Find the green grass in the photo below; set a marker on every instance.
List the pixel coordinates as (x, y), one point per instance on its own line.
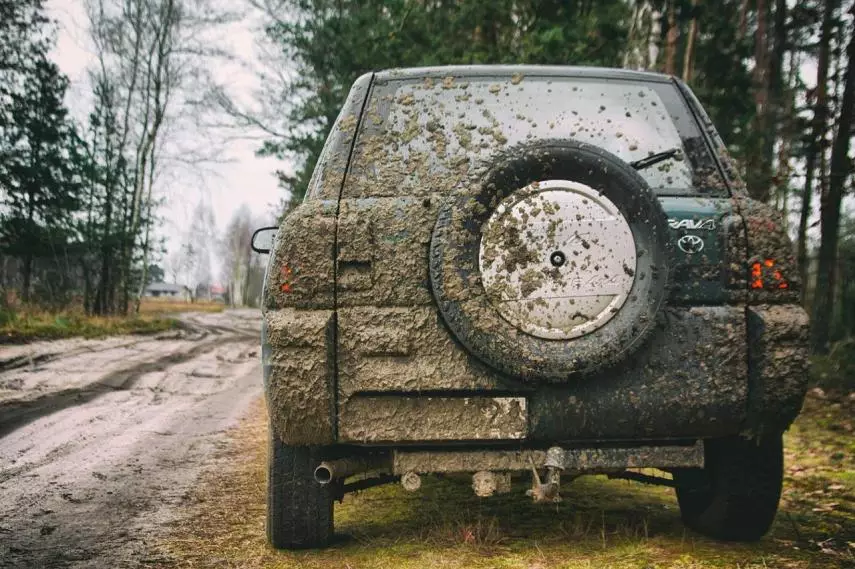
(26, 325)
(600, 523)
(835, 370)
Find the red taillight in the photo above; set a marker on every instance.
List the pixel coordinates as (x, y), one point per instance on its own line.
(764, 275)
(285, 279)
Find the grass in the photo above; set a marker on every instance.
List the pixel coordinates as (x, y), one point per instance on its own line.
(23, 324)
(836, 370)
(26, 325)
(600, 523)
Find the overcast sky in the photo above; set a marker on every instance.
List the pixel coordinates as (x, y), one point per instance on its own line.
(240, 178)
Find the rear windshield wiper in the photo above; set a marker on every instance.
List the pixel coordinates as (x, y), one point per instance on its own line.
(656, 158)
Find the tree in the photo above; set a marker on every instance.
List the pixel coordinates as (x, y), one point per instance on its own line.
(155, 274)
(328, 44)
(830, 200)
(818, 129)
(236, 255)
(38, 145)
(642, 50)
(204, 239)
(150, 74)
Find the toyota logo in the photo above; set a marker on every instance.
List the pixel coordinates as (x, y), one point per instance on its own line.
(690, 244)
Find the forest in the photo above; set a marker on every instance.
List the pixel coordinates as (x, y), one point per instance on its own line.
(80, 200)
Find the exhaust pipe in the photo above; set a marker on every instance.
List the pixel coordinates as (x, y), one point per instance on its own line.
(330, 470)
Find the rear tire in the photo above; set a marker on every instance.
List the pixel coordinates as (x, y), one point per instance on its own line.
(735, 496)
(299, 510)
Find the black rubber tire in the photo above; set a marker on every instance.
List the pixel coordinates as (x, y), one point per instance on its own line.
(299, 510)
(735, 496)
(455, 273)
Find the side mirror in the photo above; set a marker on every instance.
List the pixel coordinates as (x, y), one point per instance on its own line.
(262, 239)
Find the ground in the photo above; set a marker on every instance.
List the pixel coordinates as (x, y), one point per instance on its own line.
(600, 523)
(101, 439)
(150, 452)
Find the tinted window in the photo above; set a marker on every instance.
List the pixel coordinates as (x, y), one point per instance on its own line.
(431, 135)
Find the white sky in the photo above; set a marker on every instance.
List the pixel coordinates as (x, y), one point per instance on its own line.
(240, 178)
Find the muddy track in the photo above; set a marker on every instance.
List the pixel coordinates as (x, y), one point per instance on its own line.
(101, 440)
(18, 414)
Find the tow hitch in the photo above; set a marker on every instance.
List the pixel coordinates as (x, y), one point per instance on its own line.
(548, 491)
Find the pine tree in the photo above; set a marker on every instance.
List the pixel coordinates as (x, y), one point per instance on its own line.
(332, 43)
(39, 183)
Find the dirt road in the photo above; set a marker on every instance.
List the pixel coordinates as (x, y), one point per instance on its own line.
(100, 440)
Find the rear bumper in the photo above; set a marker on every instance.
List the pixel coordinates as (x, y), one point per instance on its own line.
(578, 460)
(401, 380)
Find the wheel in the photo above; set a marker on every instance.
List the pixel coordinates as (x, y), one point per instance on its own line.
(299, 510)
(555, 264)
(735, 496)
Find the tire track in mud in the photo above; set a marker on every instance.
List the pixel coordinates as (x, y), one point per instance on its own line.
(93, 468)
(23, 360)
(17, 414)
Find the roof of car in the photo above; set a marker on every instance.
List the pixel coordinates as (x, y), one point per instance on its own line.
(525, 70)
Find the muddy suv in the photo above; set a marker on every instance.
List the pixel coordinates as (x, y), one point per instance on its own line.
(539, 272)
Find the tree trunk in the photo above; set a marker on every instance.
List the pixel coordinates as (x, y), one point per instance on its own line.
(761, 60)
(830, 210)
(26, 276)
(774, 115)
(105, 282)
(758, 158)
(743, 20)
(146, 245)
(818, 128)
(786, 133)
(671, 41)
(689, 54)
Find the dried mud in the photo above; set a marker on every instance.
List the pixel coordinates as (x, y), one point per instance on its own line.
(367, 245)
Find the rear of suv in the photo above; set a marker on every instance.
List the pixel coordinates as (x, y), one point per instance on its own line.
(547, 270)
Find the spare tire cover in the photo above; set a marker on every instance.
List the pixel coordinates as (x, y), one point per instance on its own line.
(555, 264)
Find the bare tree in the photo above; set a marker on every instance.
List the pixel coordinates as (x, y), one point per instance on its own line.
(236, 255)
(154, 54)
(198, 244)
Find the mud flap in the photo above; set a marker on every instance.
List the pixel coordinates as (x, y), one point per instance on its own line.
(778, 364)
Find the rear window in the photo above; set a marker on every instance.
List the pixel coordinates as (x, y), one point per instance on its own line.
(420, 136)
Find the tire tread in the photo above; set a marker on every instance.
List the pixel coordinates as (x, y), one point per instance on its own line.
(735, 497)
(299, 510)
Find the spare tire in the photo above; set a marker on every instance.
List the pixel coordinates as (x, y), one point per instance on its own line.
(555, 264)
